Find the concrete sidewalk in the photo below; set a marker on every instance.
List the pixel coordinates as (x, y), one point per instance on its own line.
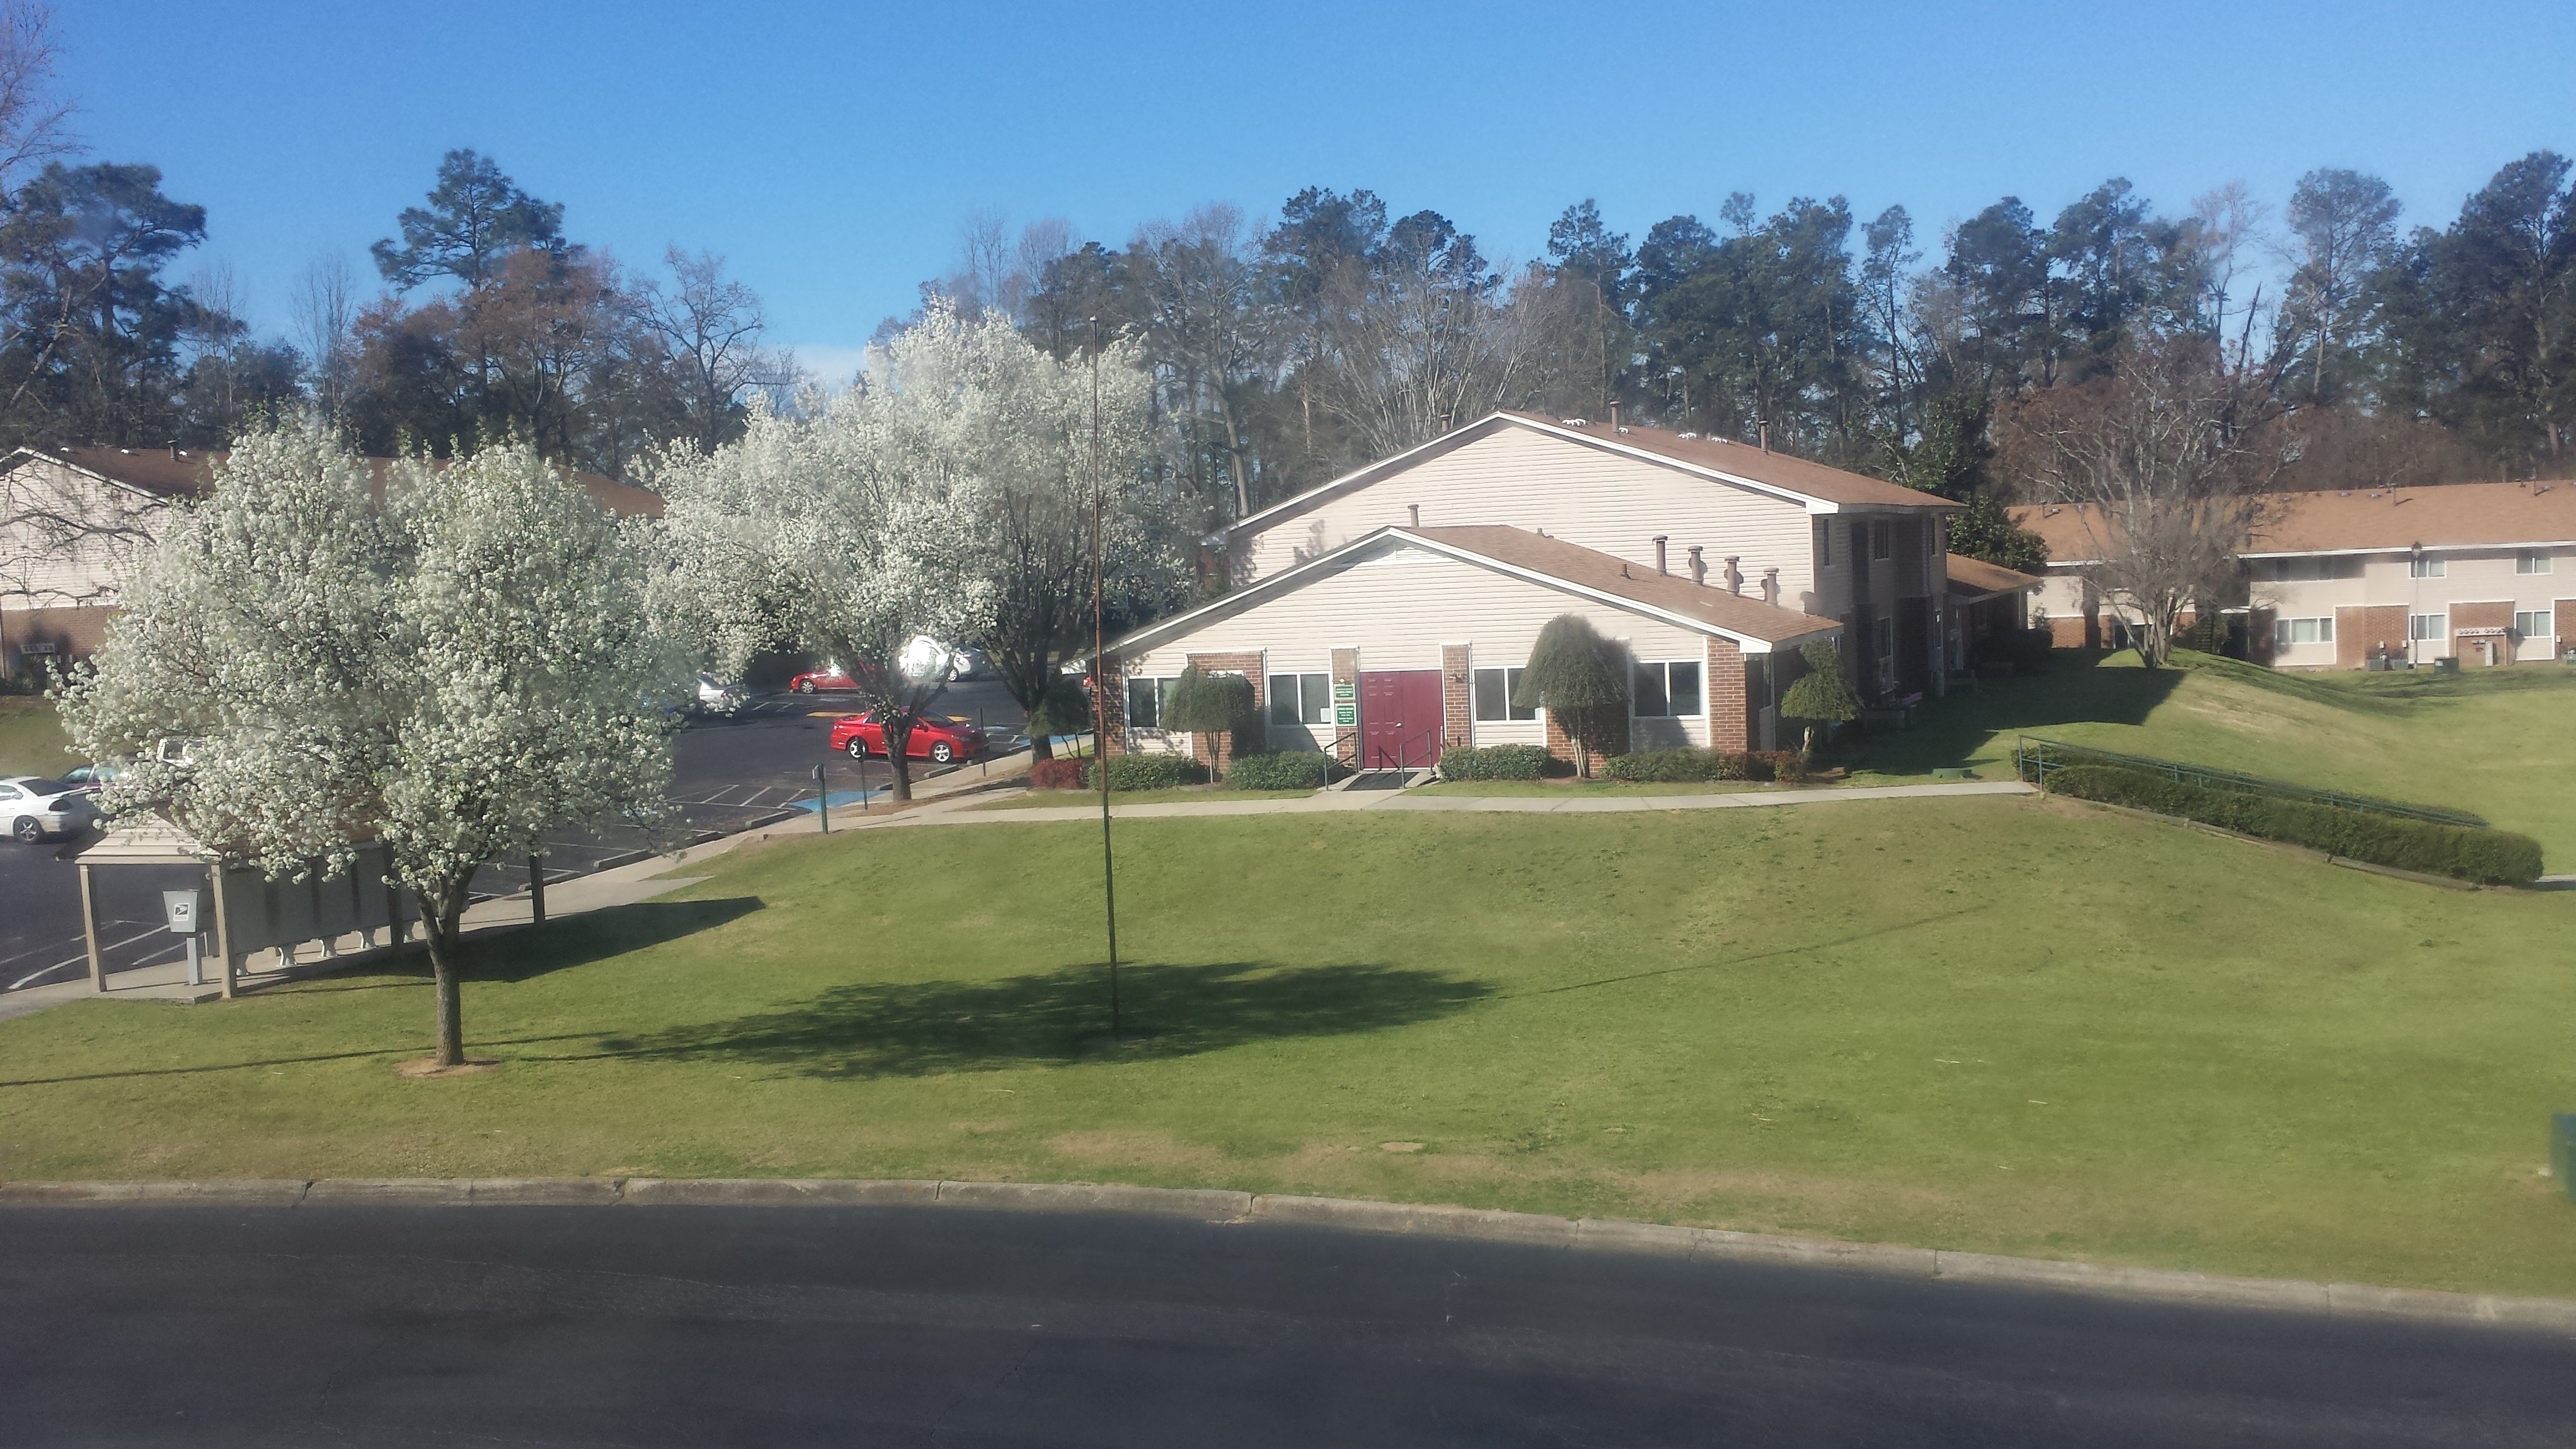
(1405, 801)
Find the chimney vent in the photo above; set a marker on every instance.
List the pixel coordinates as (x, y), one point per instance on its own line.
(1734, 576)
(1414, 512)
(1659, 553)
(1771, 587)
(1699, 566)
(1762, 430)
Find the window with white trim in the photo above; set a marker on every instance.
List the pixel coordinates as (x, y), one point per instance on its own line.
(2534, 624)
(2531, 563)
(1494, 691)
(2428, 566)
(1146, 697)
(2286, 632)
(1664, 689)
(1301, 699)
(2420, 627)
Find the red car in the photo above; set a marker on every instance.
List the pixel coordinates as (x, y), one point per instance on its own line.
(941, 739)
(830, 679)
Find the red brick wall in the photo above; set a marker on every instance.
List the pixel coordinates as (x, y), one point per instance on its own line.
(74, 632)
(1216, 751)
(1724, 681)
(2494, 615)
(2566, 625)
(1457, 708)
(2362, 632)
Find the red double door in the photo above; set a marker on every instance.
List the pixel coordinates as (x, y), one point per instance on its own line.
(1400, 718)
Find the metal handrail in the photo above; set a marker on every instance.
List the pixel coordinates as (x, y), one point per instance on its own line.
(2034, 757)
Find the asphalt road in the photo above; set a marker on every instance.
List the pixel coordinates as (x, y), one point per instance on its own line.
(793, 1326)
(726, 775)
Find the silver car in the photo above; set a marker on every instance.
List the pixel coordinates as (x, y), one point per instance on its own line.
(33, 807)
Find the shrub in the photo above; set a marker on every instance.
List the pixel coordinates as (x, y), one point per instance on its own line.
(1204, 703)
(1283, 770)
(1064, 774)
(1792, 767)
(2491, 856)
(1147, 772)
(1820, 694)
(1493, 762)
(1065, 710)
(2030, 653)
(1682, 766)
(1579, 678)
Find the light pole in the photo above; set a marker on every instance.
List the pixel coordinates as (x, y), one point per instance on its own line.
(1100, 691)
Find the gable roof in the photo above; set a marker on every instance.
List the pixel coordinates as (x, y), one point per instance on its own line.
(189, 473)
(1972, 579)
(2372, 520)
(1741, 465)
(1551, 562)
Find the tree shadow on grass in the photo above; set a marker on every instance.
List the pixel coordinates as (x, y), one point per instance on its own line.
(2079, 688)
(593, 936)
(906, 1029)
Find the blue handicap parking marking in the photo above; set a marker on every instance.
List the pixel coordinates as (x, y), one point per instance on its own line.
(838, 798)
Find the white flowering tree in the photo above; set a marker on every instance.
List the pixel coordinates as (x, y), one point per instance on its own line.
(946, 494)
(453, 669)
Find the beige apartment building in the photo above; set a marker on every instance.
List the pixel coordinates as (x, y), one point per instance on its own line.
(2484, 573)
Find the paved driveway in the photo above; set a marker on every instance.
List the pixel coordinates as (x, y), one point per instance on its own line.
(726, 776)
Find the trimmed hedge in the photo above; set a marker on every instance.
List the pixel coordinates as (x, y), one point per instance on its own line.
(1148, 772)
(1493, 762)
(1695, 765)
(2495, 857)
(1056, 774)
(1283, 770)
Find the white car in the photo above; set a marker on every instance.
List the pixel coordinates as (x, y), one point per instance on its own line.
(33, 807)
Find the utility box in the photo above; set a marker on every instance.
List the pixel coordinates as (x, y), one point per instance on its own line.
(2562, 1151)
(186, 910)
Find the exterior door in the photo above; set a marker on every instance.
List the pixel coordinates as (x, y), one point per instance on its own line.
(1400, 718)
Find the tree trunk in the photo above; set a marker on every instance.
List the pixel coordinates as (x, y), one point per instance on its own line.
(898, 745)
(440, 923)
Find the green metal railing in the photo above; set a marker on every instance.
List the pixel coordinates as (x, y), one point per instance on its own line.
(2034, 758)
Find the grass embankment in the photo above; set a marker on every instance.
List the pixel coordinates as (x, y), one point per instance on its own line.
(2498, 742)
(1995, 1024)
(31, 738)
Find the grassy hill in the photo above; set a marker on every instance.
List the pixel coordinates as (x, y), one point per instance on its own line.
(2499, 742)
(2000, 1024)
(31, 740)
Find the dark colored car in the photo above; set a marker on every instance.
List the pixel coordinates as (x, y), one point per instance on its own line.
(941, 739)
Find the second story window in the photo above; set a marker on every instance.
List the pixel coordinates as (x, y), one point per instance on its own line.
(2531, 563)
(2427, 566)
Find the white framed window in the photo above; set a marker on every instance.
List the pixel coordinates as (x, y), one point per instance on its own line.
(1493, 695)
(1665, 689)
(2534, 623)
(1301, 699)
(2531, 563)
(2286, 632)
(2420, 627)
(1146, 697)
(2428, 566)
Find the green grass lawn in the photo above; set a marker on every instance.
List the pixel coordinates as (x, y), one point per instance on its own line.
(1061, 799)
(2499, 742)
(31, 740)
(1999, 1024)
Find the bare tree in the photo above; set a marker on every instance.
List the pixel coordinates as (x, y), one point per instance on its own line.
(2163, 463)
(711, 328)
(1207, 328)
(326, 315)
(1417, 346)
(35, 123)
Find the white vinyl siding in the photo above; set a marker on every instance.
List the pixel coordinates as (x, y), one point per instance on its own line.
(1398, 608)
(1524, 479)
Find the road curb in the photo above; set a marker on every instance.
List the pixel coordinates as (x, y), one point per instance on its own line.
(2331, 1300)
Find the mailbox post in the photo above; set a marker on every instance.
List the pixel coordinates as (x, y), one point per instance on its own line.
(185, 908)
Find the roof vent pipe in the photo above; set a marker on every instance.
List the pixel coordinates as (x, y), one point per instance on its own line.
(1414, 512)
(1771, 587)
(1659, 553)
(1699, 566)
(1762, 431)
(1734, 575)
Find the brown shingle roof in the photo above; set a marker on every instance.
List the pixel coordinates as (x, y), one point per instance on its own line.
(1744, 460)
(189, 471)
(2443, 515)
(1974, 578)
(1590, 569)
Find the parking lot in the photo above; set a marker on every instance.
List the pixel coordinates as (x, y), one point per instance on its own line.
(727, 775)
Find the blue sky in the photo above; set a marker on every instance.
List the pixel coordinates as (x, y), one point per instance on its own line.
(832, 152)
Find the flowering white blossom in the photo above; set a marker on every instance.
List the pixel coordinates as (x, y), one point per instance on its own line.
(948, 493)
(453, 671)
